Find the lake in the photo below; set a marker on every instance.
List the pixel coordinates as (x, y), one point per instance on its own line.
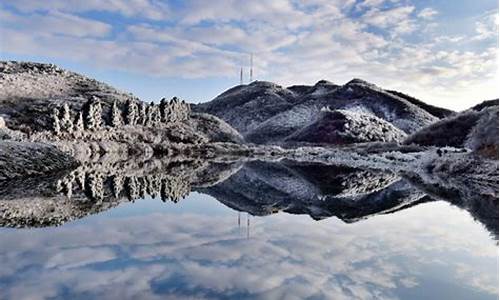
(254, 230)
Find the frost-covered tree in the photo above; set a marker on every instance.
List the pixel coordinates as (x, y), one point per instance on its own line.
(173, 108)
(142, 185)
(66, 120)
(116, 115)
(117, 185)
(163, 110)
(185, 110)
(78, 127)
(142, 113)
(93, 116)
(94, 186)
(148, 121)
(56, 126)
(132, 188)
(132, 112)
(155, 116)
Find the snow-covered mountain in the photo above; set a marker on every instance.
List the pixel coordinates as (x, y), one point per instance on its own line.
(264, 112)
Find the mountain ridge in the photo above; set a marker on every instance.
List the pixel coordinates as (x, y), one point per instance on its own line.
(267, 113)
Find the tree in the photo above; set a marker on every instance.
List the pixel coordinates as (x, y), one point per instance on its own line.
(78, 128)
(116, 116)
(149, 111)
(155, 116)
(142, 113)
(66, 120)
(185, 110)
(173, 109)
(132, 113)
(117, 185)
(163, 110)
(56, 127)
(93, 117)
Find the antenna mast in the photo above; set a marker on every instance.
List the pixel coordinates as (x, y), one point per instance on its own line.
(251, 67)
(241, 75)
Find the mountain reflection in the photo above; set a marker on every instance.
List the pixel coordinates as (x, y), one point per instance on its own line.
(256, 187)
(151, 249)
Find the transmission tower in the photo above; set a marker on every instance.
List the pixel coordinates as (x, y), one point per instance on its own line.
(251, 67)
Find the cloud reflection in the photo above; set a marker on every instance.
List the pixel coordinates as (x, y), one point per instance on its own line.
(196, 255)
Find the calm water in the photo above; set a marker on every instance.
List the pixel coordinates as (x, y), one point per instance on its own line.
(201, 248)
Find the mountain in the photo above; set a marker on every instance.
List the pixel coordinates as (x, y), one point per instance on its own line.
(475, 129)
(264, 112)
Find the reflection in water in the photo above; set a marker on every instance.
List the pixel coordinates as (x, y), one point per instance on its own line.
(154, 249)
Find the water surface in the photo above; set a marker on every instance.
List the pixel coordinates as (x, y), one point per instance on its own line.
(200, 247)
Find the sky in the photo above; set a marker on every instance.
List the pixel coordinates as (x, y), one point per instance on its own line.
(442, 52)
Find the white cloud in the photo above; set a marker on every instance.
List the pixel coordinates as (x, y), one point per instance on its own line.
(427, 13)
(294, 42)
(487, 27)
(397, 19)
(150, 9)
(280, 12)
(56, 23)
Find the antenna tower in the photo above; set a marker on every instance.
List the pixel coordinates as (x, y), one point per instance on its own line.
(251, 67)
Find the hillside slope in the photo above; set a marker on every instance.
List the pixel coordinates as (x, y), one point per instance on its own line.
(475, 129)
(266, 113)
(31, 92)
(347, 127)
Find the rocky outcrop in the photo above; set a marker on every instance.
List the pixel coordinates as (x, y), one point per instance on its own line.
(340, 127)
(31, 159)
(267, 113)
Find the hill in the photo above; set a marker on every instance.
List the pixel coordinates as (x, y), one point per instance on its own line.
(31, 92)
(475, 129)
(266, 113)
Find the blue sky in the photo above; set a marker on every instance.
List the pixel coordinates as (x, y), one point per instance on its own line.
(443, 52)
